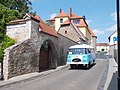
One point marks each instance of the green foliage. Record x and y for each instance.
(22, 6)
(11, 10)
(6, 42)
(44, 46)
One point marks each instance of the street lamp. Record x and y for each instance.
(118, 28)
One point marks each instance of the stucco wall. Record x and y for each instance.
(101, 48)
(93, 42)
(114, 52)
(113, 46)
(83, 30)
(20, 32)
(111, 38)
(57, 22)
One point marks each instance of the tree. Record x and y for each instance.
(10, 10)
(23, 6)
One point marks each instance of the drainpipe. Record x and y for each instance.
(118, 28)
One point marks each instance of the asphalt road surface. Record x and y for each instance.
(67, 79)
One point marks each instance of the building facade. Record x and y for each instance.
(113, 40)
(79, 22)
(102, 47)
(39, 47)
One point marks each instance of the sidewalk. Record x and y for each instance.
(28, 77)
(111, 81)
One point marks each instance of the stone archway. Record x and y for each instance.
(46, 56)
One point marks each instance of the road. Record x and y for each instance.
(67, 79)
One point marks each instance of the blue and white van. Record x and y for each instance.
(81, 55)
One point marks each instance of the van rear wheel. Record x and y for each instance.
(87, 66)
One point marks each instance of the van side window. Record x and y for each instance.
(89, 51)
(86, 51)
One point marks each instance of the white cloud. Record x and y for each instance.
(112, 28)
(114, 16)
(53, 15)
(98, 32)
(88, 21)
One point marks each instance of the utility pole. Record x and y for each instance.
(118, 28)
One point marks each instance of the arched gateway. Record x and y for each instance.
(46, 56)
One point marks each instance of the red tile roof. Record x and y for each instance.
(92, 33)
(38, 17)
(102, 44)
(74, 16)
(62, 14)
(82, 23)
(66, 22)
(43, 27)
(47, 29)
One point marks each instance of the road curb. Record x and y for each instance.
(12, 81)
(104, 77)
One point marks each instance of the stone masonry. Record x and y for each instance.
(24, 56)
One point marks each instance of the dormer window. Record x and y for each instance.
(76, 21)
(61, 20)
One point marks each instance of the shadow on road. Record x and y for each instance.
(101, 55)
(113, 83)
(82, 67)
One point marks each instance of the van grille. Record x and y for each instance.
(76, 60)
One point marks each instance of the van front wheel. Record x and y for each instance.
(72, 66)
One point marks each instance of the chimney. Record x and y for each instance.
(70, 11)
(60, 10)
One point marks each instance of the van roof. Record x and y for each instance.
(81, 46)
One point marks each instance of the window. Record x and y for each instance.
(61, 20)
(76, 21)
(65, 32)
(87, 51)
(77, 51)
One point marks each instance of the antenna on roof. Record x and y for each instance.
(70, 11)
(60, 10)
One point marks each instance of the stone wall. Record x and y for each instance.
(23, 57)
(69, 32)
(63, 48)
(20, 59)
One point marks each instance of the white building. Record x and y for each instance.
(113, 39)
(102, 47)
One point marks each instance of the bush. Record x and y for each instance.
(5, 43)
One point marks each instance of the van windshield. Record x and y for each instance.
(77, 51)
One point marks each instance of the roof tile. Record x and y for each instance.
(62, 14)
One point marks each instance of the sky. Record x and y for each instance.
(100, 14)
